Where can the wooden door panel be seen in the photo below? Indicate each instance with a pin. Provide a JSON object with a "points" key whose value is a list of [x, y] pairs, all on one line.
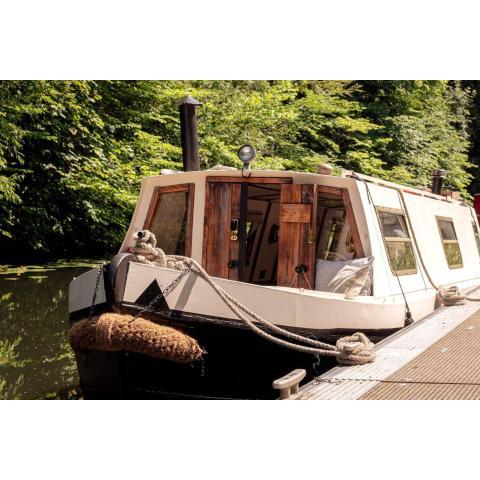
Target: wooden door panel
{"points": [[294, 212], [297, 235], [222, 204], [234, 245]]}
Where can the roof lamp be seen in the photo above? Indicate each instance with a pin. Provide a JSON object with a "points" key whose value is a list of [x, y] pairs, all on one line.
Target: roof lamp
{"points": [[247, 155]]}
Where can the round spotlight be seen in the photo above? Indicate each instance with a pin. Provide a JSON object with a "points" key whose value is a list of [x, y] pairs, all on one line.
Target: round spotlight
{"points": [[247, 154]]}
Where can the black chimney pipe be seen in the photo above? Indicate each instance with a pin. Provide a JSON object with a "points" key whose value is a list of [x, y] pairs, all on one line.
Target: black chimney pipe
{"points": [[188, 125], [437, 180]]}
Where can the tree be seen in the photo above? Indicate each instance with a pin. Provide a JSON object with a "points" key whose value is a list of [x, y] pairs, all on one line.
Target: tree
{"points": [[73, 153], [425, 127]]}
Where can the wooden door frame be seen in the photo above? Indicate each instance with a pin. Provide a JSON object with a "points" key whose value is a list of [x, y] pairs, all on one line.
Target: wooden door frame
{"points": [[244, 180], [343, 193], [182, 187]]}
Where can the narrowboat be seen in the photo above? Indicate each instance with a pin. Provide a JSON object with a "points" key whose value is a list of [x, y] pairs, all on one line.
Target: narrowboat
{"points": [[316, 254]]}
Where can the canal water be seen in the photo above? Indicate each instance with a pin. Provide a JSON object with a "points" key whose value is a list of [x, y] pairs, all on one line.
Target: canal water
{"points": [[35, 358], [36, 361]]}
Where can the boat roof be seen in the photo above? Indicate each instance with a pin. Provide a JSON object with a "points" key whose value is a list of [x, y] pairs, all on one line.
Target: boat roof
{"points": [[350, 174]]}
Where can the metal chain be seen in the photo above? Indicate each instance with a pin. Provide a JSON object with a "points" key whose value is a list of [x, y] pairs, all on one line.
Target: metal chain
{"points": [[94, 298], [168, 289]]}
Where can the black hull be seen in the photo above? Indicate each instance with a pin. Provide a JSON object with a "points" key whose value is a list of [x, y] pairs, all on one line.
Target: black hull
{"points": [[238, 364]]}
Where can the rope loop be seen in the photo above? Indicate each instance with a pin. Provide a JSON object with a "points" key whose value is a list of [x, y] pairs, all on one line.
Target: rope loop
{"points": [[356, 349]]}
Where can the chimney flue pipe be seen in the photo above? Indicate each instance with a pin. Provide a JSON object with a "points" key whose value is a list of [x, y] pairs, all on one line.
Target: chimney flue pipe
{"points": [[438, 176], [188, 125]]}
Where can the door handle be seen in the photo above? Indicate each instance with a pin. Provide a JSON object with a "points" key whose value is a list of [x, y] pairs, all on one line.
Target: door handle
{"points": [[234, 229]]}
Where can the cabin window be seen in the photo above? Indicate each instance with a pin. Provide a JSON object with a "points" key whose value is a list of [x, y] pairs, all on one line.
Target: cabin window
{"points": [[170, 218], [397, 241], [335, 236], [477, 235], [450, 243]]}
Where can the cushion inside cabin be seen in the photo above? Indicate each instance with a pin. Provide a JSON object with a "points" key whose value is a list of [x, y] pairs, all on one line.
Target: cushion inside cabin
{"points": [[353, 277]]}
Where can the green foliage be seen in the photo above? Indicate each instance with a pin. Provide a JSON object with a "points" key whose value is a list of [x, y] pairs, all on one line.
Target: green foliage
{"points": [[73, 153], [425, 126], [8, 353]]}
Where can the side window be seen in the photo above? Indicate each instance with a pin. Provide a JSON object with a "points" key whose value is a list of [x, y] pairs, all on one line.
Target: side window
{"points": [[170, 218], [334, 238], [450, 242], [477, 235], [397, 241]]}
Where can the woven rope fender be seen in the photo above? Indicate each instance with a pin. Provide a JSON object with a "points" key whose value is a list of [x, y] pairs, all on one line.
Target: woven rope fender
{"points": [[355, 349], [115, 332]]}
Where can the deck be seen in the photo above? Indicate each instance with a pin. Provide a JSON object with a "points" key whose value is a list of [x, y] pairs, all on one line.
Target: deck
{"points": [[437, 358]]}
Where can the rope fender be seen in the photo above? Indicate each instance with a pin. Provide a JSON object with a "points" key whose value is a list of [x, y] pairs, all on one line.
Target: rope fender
{"points": [[115, 332], [356, 349]]}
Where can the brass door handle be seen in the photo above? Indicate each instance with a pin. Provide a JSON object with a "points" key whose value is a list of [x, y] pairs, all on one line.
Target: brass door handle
{"points": [[234, 229]]}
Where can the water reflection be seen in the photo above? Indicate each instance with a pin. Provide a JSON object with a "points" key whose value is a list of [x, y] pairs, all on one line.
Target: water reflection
{"points": [[35, 358]]}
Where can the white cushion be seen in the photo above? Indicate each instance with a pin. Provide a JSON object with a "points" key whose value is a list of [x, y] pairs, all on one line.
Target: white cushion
{"points": [[347, 276]]}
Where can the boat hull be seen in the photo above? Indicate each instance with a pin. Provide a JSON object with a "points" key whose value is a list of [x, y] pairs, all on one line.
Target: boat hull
{"points": [[237, 363]]}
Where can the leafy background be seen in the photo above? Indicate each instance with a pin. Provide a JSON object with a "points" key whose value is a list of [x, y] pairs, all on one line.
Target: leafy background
{"points": [[73, 153]]}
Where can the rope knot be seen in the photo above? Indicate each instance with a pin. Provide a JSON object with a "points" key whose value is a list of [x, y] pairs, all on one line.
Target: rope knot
{"points": [[355, 349], [451, 296]]}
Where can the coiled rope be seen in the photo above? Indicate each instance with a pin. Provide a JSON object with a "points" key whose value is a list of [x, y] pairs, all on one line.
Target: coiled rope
{"points": [[356, 349], [451, 296]]}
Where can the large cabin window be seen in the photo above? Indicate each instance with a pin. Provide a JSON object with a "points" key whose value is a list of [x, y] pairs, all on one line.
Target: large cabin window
{"points": [[397, 241], [170, 218], [335, 238], [450, 243], [341, 266], [338, 237]]}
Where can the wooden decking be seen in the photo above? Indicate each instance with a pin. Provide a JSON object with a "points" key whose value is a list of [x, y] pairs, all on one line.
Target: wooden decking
{"points": [[437, 358]]}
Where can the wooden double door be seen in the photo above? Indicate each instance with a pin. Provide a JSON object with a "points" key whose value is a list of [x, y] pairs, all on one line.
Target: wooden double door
{"points": [[225, 229]]}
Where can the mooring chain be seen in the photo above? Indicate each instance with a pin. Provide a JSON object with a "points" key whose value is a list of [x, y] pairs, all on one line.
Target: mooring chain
{"points": [[94, 298], [167, 290]]}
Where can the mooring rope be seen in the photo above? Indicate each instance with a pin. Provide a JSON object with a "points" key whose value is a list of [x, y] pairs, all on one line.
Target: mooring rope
{"points": [[356, 349]]}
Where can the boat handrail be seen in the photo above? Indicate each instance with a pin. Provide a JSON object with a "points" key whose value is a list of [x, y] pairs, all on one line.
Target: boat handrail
{"points": [[395, 186]]}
